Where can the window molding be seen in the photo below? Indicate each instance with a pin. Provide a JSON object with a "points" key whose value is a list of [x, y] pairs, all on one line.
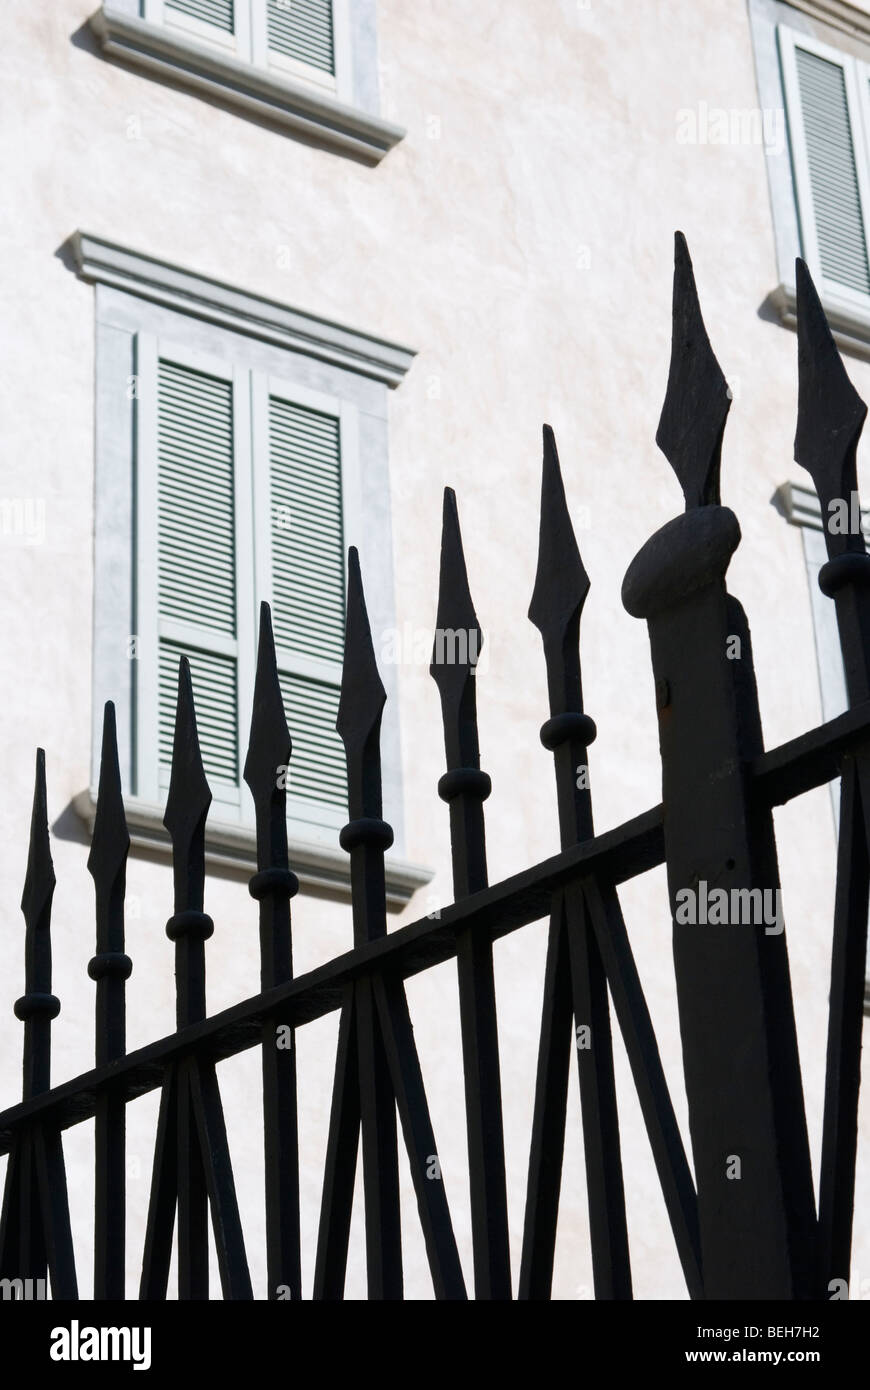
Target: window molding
{"points": [[839, 14], [342, 120], [850, 328], [122, 316], [107, 263]]}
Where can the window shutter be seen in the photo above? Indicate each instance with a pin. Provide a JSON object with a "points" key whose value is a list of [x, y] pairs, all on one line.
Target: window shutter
{"points": [[307, 586], [307, 543], [303, 31], [318, 771], [196, 559], [214, 693], [219, 13], [831, 206]]}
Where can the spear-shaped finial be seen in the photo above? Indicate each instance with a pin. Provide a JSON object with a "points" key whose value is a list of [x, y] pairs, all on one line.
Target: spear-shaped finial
{"points": [[561, 586], [269, 749], [110, 968], [366, 836], [107, 863], [39, 881], [186, 810], [361, 702], [697, 400], [38, 1006], [831, 414], [110, 843], [274, 884], [188, 800], [457, 646]]}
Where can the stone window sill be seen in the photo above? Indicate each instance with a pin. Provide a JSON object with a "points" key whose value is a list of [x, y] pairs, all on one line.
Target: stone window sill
{"points": [[285, 101], [850, 324]]}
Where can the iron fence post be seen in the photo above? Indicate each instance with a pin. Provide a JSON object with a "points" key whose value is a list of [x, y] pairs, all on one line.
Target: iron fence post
{"points": [[743, 1083]]}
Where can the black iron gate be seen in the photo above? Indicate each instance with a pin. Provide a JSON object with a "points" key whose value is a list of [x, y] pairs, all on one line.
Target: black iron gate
{"points": [[757, 1237]]}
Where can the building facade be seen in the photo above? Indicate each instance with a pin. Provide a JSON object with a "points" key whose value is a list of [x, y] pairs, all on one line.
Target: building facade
{"points": [[275, 273]]}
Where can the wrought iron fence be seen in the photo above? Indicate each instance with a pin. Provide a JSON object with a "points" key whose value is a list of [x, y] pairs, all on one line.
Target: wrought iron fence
{"points": [[760, 1237]]}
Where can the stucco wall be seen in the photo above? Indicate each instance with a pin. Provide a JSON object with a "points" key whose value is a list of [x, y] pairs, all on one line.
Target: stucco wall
{"points": [[519, 237]]}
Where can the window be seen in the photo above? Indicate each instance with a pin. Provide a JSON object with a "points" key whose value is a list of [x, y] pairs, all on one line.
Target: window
{"points": [[238, 500], [813, 80], [828, 103], [241, 447], [308, 65]]}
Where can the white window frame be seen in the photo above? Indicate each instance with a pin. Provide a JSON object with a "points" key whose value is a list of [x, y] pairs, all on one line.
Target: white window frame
{"points": [[324, 361], [857, 82]]}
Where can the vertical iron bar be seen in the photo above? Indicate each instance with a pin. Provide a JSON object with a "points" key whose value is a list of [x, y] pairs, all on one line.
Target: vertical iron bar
{"points": [[274, 884], [44, 1236], [549, 1117], [846, 1007], [366, 837], [110, 968], [831, 417], [458, 641], [561, 586], [341, 1157], [38, 1006], [186, 810]]}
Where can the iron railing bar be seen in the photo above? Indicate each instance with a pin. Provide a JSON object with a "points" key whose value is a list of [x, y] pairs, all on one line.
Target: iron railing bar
{"points": [[366, 837], [110, 968], [207, 1112], [549, 1119], [843, 1066], [273, 886], [59, 1250], [558, 599], [638, 1035], [465, 788], [157, 1255], [342, 1152], [608, 1225], [810, 760], [397, 1034], [380, 1152]]}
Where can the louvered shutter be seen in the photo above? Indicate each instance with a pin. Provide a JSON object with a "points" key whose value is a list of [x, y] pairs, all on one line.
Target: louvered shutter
{"points": [[317, 767], [222, 24], [196, 527], [219, 13], [301, 32], [828, 153], [307, 546], [305, 581]]}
